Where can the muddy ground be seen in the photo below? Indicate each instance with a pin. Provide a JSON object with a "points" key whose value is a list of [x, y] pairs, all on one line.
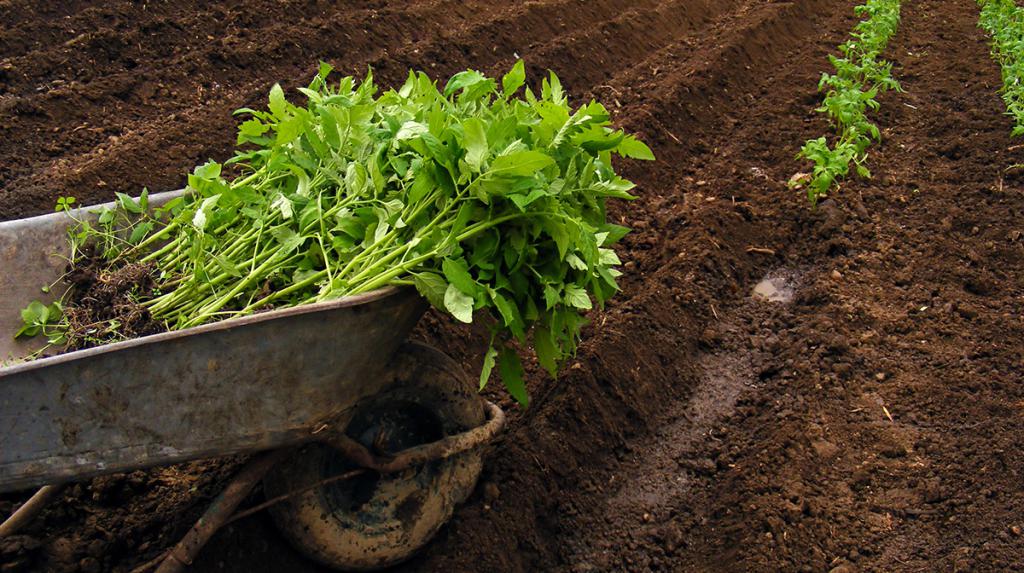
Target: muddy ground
{"points": [[870, 421]]}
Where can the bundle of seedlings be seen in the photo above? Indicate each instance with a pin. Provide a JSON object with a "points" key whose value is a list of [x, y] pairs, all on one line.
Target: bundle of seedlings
{"points": [[481, 200]]}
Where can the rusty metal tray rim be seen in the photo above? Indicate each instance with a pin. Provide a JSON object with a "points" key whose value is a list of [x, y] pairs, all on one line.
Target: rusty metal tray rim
{"points": [[221, 325]]}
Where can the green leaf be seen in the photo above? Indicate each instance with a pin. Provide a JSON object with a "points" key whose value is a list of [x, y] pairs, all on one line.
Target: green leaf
{"points": [[475, 143], [615, 233], [208, 171], [523, 201], [520, 163], [128, 204], [464, 81], [547, 351], [459, 304], [278, 105], [514, 79], [283, 204], [577, 298], [511, 370], [575, 262], [509, 314], [106, 216], [423, 185], [551, 297], [227, 266], [432, 286], [355, 178], [410, 130], [28, 331], [288, 239], [457, 273], [634, 148], [140, 231], [202, 214], [608, 257], [485, 372], [616, 187], [35, 313], [251, 129]]}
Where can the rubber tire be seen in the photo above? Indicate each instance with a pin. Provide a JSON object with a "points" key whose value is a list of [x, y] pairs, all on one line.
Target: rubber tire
{"points": [[375, 525]]}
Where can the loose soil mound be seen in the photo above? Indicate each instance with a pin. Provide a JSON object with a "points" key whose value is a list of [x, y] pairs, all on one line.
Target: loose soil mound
{"points": [[870, 423]]}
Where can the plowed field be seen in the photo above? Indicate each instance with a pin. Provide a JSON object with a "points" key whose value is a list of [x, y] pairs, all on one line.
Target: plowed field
{"points": [[869, 421]]}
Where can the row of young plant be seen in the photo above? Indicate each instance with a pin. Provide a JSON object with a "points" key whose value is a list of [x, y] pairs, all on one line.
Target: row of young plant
{"points": [[480, 198], [1004, 21], [860, 76]]}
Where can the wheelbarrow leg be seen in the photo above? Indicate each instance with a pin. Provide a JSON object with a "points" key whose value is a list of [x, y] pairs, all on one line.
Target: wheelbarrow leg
{"points": [[30, 509], [220, 511]]}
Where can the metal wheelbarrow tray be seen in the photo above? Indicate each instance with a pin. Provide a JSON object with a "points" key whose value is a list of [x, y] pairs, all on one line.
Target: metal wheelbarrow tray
{"points": [[259, 382]]}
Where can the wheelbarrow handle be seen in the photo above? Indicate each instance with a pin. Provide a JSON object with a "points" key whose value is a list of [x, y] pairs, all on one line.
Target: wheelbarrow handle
{"points": [[30, 509], [438, 450]]}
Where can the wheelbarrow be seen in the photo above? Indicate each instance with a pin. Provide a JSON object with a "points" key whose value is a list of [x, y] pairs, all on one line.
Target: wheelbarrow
{"points": [[364, 442]]}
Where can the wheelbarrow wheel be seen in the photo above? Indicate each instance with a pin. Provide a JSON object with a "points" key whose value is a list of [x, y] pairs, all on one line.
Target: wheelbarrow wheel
{"points": [[372, 520]]}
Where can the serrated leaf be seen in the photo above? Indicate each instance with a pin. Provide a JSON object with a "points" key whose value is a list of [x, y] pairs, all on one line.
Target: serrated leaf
{"points": [[576, 262], [608, 257], [432, 287], [577, 298], [227, 266], [278, 105], [634, 148], [520, 163], [106, 216], [551, 297], [202, 214], [524, 201], [464, 81], [288, 239], [615, 233]]}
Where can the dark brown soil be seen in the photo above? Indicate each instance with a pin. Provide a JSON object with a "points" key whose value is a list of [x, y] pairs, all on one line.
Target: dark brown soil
{"points": [[870, 423], [102, 308]]}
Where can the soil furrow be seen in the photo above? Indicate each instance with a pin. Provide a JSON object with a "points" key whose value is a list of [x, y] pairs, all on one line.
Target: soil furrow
{"points": [[174, 136], [844, 458], [135, 83]]}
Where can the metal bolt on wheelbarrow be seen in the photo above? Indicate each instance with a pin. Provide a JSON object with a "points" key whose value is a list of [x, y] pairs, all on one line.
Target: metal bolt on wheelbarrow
{"points": [[365, 442]]}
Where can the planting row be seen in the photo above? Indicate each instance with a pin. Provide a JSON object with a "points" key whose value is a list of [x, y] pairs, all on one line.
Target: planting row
{"points": [[860, 76], [1004, 21]]}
